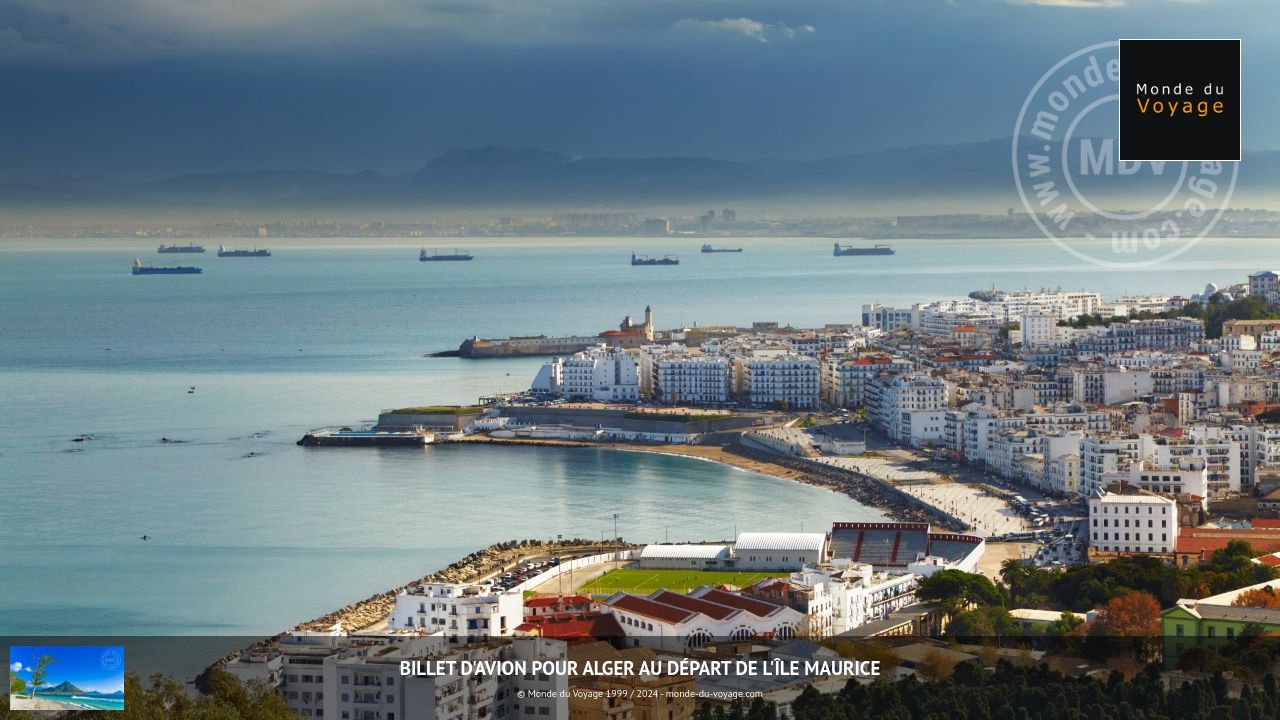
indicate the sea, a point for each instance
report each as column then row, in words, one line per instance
column 188, row 392
column 94, row 703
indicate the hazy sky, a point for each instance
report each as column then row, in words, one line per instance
column 149, row 88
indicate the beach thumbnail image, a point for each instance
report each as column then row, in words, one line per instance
column 66, row 677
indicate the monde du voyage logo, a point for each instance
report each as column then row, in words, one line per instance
column 1125, row 152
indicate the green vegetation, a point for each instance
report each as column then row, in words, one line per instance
column 673, row 417
column 41, row 672
column 956, row 590
column 1214, row 312
column 1022, row 693
column 16, row 684
column 643, row 582
column 1085, row 587
column 441, row 410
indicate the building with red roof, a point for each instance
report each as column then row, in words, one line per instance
column 669, row 621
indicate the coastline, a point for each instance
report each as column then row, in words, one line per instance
column 17, row 702
column 868, row 491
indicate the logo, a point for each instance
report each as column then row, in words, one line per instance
column 1082, row 196
column 111, row 659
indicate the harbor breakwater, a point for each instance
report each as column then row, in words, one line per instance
column 369, row 612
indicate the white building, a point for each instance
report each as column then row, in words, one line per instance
column 1265, row 284
column 679, row 376
column 892, row 400
column 1104, row 455
column 598, row 373
column 779, row 551
column 844, row 379
column 361, row 678
column 684, row 557
column 1141, row 523
column 1110, row 385
column 462, row 613
column 790, row 380
column 1038, row 329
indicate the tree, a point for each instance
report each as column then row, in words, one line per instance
column 1263, row 597
column 1131, row 623
column 16, row 684
column 958, row 590
column 1065, row 623
column 983, row 623
column 40, row 673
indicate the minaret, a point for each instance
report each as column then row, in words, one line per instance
column 648, row 322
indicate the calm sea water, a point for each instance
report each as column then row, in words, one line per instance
column 251, row 533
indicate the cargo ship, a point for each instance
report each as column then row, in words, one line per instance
column 224, row 252
column 646, row 260
column 149, row 269
column 436, row 256
column 708, row 249
column 842, row 250
column 180, row 249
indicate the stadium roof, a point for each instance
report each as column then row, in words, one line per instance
column 682, row 552
column 780, row 541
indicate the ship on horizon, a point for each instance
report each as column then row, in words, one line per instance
column 189, row 248
column 242, row 252
column 149, row 269
column 706, row 248
column 437, row 256
column 646, row 260
column 842, row 250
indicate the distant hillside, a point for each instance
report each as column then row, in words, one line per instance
column 513, row 177
column 62, row 688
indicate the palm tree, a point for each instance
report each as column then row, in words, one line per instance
column 40, row 672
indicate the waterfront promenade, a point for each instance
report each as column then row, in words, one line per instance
column 986, row 512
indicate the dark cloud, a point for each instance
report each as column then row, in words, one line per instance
column 143, row 88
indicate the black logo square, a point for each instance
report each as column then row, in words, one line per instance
column 1180, row 100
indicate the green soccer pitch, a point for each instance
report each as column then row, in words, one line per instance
column 643, row 582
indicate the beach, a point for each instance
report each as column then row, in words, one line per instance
column 22, row 702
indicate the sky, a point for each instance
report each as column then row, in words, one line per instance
column 143, row 89
column 83, row 666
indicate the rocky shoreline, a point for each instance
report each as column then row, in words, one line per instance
column 494, row 559
column 481, row 564
column 865, row 489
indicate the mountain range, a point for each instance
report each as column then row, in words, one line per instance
column 62, row 688
column 495, row 176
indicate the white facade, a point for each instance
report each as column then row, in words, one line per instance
column 893, row 399
column 1101, row 456
column 1265, row 284
column 844, row 379
column 789, row 379
column 1133, row 523
column 680, row 557
column 461, row 613
column 778, row 551
column 696, row 379
column 599, row 373
column 360, row 678
column 1038, row 329
column 1111, row 385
